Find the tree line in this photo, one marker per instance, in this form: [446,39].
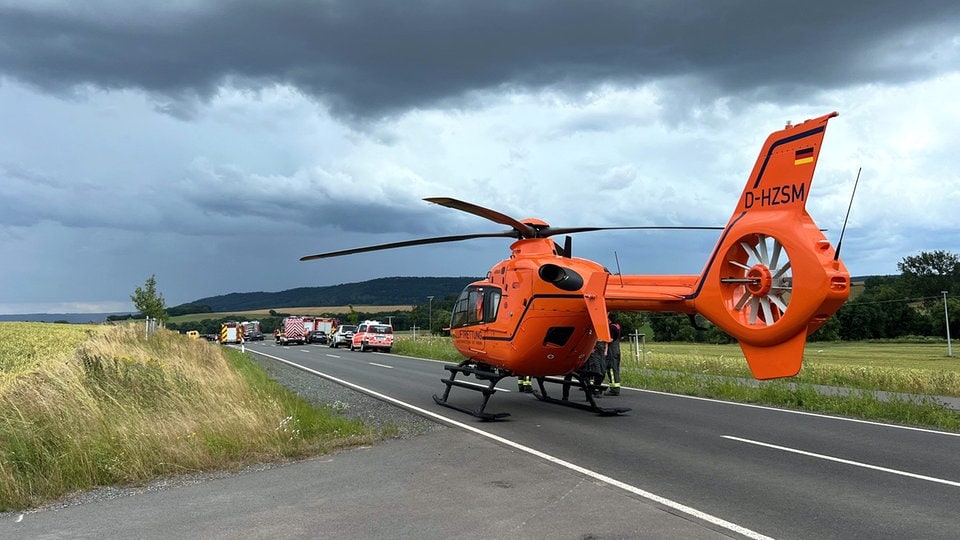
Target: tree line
[910,304]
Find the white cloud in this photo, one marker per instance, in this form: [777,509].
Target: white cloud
[105,185]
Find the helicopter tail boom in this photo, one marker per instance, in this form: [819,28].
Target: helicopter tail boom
[773,277]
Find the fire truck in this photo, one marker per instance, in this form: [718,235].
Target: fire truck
[231,332]
[291,331]
[312,324]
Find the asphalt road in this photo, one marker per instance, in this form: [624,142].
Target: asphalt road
[772,472]
[673,467]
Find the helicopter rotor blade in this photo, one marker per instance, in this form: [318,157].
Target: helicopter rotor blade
[519,230]
[550,231]
[421,241]
[525,231]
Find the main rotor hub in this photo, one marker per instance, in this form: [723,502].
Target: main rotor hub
[761,280]
[538,226]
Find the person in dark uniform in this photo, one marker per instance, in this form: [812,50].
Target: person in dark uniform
[590,372]
[613,355]
[525,385]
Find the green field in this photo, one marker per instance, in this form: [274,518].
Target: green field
[922,368]
[25,346]
[855,353]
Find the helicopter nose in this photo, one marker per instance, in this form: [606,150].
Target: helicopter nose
[562,278]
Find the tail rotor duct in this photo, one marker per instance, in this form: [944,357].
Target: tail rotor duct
[758,288]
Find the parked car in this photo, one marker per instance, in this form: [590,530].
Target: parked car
[317,336]
[372,335]
[342,336]
[253,335]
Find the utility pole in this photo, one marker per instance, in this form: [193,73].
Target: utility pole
[430,329]
[946,316]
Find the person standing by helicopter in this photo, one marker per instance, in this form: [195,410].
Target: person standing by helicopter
[591,372]
[613,355]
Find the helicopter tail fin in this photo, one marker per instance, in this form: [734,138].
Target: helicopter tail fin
[773,277]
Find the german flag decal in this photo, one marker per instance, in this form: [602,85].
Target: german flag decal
[803,156]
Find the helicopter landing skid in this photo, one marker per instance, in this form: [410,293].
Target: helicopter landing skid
[584,385]
[468,367]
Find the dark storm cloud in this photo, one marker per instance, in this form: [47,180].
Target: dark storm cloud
[366,58]
[319,201]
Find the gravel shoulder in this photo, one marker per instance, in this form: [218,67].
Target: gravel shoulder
[390,420]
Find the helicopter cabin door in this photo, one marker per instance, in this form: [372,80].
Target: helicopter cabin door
[475,309]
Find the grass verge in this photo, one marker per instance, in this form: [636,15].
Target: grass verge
[118,408]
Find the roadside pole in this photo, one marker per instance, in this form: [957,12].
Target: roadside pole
[640,351]
[946,316]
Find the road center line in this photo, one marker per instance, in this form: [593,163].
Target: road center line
[797,412]
[380,365]
[690,511]
[845,461]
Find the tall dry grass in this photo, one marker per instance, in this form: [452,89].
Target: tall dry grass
[121,408]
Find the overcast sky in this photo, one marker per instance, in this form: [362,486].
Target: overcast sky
[212,143]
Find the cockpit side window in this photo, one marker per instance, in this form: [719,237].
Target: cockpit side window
[476,305]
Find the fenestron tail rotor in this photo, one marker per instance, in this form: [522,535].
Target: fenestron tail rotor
[763,280]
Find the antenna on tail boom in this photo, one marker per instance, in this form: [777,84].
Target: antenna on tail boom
[619,273]
[836,256]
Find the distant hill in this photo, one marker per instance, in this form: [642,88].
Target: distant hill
[376,292]
[76,318]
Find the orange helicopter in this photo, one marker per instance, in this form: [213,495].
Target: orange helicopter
[772,279]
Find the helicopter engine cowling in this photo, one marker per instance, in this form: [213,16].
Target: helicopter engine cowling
[561,278]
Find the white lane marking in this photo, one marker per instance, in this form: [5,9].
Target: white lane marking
[754,406]
[690,511]
[333,355]
[845,461]
[19,519]
[802,413]
[380,365]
